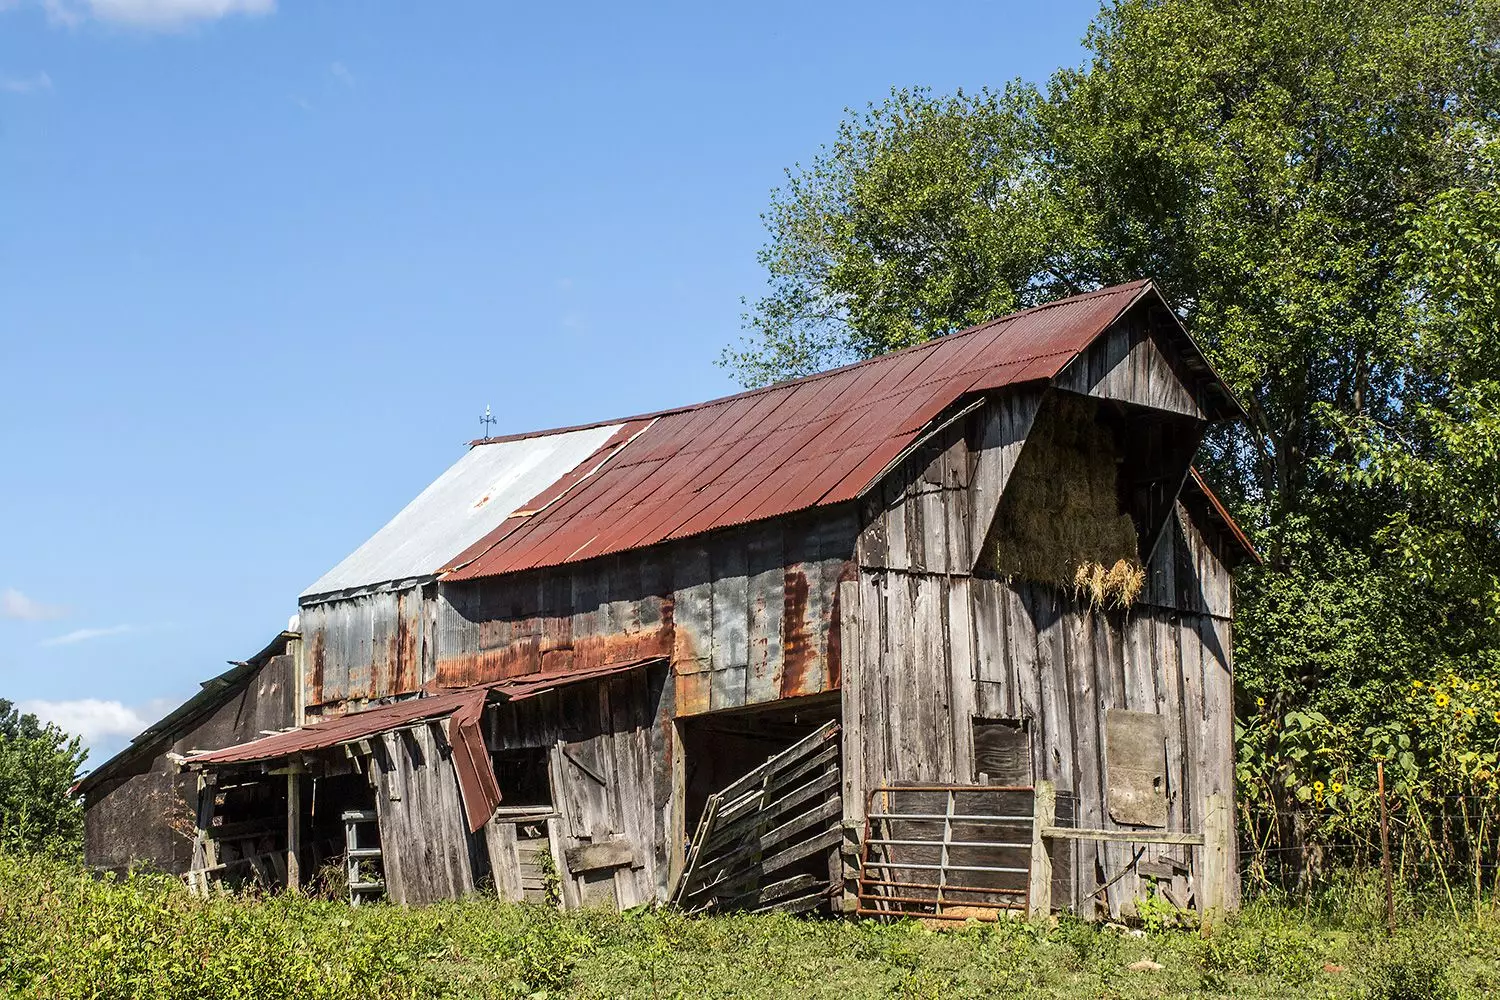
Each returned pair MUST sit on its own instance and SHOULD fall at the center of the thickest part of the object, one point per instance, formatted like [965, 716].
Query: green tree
[1309, 183]
[38, 766]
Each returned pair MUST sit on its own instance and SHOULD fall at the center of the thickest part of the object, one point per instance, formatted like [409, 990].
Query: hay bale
[1060, 521]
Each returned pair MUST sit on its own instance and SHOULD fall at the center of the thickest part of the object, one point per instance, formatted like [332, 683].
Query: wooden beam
[1124, 836]
[293, 830]
[1213, 887]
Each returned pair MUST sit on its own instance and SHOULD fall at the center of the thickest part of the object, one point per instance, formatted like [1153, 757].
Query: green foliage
[64, 933]
[1316, 187]
[38, 765]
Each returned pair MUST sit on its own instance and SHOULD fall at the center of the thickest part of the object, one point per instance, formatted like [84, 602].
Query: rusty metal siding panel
[467, 502]
[363, 647]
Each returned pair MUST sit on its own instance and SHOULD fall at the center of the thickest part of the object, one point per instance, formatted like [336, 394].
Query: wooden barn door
[770, 840]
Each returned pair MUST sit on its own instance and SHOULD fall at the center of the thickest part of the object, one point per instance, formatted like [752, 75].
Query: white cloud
[32, 84]
[85, 634]
[104, 726]
[160, 15]
[17, 606]
[342, 74]
[93, 719]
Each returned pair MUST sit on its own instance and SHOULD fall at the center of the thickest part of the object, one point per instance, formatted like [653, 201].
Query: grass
[65, 934]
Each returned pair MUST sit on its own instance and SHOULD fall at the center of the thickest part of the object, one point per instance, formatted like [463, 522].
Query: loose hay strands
[1060, 520]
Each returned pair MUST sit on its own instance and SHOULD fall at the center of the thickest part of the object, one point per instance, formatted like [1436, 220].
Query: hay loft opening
[1089, 495]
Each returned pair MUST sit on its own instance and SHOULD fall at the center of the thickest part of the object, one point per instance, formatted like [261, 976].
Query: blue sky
[262, 267]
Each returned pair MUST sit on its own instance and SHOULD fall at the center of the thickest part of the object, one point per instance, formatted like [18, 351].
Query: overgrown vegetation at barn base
[64, 933]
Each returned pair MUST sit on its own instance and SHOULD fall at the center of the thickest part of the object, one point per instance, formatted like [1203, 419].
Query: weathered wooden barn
[943, 632]
[139, 808]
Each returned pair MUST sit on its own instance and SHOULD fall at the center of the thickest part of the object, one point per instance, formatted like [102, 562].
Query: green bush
[65, 933]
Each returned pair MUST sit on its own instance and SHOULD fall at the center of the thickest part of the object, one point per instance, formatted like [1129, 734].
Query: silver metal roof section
[463, 505]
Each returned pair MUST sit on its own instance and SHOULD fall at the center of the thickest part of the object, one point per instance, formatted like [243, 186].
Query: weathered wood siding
[931, 647]
[609, 761]
[932, 515]
[1129, 364]
[936, 652]
[129, 820]
[1189, 570]
[424, 838]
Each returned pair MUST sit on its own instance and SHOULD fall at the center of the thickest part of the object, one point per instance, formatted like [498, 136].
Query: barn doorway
[762, 808]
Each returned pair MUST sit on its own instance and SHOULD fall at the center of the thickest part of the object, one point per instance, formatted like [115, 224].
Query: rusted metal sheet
[773, 451]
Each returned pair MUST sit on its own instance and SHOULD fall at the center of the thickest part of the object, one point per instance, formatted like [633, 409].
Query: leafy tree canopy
[1314, 186]
[38, 765]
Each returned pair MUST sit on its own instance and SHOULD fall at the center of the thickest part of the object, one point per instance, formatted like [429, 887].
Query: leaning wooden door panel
[767, 840]
[423, 831]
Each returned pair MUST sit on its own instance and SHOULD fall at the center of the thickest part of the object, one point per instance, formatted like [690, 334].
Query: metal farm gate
[769, 840]
[949, 852]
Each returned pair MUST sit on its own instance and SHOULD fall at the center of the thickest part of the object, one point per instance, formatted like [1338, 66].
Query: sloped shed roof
[809, 442]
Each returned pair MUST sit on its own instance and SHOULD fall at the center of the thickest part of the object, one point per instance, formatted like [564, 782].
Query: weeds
[64, 933]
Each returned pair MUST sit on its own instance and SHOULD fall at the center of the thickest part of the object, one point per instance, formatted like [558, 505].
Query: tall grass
[64, 933]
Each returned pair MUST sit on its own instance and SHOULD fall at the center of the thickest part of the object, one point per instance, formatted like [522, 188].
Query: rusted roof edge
[1236, 533]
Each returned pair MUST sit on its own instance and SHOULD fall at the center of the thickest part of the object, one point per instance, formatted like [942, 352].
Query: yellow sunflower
[1318, 787]
[1335, 788]
[1441, 699]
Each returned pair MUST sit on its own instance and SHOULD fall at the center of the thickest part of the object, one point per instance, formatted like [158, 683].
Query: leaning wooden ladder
[358, 853]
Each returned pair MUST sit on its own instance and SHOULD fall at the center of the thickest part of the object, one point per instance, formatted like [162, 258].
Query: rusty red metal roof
[471, 760]
[357, 726]
[344, 729]
[774, 451]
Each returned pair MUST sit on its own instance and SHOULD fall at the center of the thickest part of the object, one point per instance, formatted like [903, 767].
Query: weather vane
[486, 422]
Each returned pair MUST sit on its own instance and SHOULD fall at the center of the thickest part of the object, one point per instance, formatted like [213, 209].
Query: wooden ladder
[358, 849]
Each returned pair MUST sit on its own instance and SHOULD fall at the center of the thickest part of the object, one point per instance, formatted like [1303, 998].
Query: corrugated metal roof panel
[464, 505]
[781, 449]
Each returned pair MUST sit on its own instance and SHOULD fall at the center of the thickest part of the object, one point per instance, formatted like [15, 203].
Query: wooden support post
[293, 830]
[677, 849]
[1213, 888]
[1039, 892]
[1385, 851]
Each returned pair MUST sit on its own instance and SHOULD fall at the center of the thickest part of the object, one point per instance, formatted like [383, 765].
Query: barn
[943, 633]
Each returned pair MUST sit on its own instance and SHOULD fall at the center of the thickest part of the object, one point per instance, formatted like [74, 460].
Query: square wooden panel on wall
[1135, 751]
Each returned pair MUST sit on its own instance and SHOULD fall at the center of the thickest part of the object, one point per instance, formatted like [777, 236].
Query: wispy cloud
[33, 84]
[105, 726]
[342, 75]
[152, 15]
[85, 634]
[302, 102]
[17, 606]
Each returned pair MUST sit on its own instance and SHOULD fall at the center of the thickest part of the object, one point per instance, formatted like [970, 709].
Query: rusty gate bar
[891, 884]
